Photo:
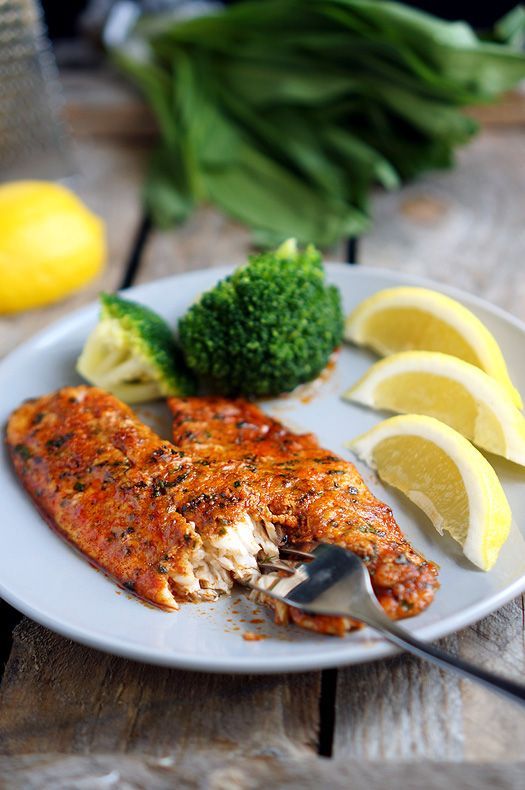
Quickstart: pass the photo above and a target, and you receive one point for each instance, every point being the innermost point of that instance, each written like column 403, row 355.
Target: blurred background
column 187, row 132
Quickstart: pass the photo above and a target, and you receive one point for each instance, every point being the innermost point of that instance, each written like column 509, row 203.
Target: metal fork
column 331, row 580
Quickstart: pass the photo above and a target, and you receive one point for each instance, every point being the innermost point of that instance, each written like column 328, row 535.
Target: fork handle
column 398, row 636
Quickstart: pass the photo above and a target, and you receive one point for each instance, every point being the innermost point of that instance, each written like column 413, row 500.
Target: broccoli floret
column 266, row 328
column 133, row 354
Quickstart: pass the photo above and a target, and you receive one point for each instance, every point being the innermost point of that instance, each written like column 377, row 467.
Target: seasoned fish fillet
column 310, row 493
column 183, row 522
column 164, row 524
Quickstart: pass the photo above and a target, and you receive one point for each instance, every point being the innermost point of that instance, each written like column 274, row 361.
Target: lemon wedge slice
column 405, row 319
column 444, row 475
column 445, row 387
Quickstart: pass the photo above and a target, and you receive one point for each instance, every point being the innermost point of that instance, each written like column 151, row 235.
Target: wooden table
column 74, row 717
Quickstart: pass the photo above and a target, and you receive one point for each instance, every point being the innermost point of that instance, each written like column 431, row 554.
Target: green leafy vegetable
column 132, row 353
column 266, row 328
column 286, row 112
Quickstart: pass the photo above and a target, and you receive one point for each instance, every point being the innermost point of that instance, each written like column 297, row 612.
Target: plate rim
column 261, row 664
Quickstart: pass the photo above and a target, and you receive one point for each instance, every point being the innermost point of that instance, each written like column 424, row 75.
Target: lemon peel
column 449, row 389
column 51, row 244
column 444, row 475
column 408, row 318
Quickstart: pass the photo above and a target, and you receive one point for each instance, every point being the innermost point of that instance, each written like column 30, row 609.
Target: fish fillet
column 183, row 521
column 165, row 525
column 310, row 493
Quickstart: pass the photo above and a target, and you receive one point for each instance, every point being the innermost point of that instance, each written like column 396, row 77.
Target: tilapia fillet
column 183, row 521
column 165, row 525
column 310, row 493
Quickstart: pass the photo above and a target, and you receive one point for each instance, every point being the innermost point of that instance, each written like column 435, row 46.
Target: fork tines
column 293, row 556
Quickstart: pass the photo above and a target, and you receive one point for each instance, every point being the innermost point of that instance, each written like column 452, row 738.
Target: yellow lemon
column 419, row 319
column 445, row 387
column 50, row 244
column 444, row 475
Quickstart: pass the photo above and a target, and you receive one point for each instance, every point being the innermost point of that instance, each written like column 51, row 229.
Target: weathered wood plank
column 493, row 728
column 207, row 239
column 404, row 709
column 59, row 696
column 105, row 104
column 399, row 709
column 209, row 772
column 464, row 227
column 109, row 180
column 509, row 110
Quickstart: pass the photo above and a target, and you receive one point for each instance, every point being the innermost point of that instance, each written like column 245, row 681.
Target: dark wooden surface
column 399, row 716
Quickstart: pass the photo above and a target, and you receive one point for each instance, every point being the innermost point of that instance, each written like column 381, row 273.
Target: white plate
column 48, row 581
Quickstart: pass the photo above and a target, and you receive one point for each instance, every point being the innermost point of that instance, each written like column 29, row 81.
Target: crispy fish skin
column 312, row 494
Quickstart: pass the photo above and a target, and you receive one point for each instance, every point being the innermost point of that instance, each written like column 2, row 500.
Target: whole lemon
column 50, row 244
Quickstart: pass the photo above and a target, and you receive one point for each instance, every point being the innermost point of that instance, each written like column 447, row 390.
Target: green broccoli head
column 133, row 354
column 266, row 328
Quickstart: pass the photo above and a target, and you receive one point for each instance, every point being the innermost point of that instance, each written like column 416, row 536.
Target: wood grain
column 207, row 239
column 405, row 709
column 399, row 709
column 210, row 772
column 493, row 729
column 464, row 227
column 60, row 696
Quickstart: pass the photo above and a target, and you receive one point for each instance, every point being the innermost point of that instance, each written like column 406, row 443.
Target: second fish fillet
column 310, row 493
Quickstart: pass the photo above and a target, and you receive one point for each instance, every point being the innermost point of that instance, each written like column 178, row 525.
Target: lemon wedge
column 444, row 475
column 405, row 318
column 50, row 244
column 445, row 387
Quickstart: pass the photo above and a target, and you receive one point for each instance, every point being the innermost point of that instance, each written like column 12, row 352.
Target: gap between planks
column 329, row 677
column 135, row 255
